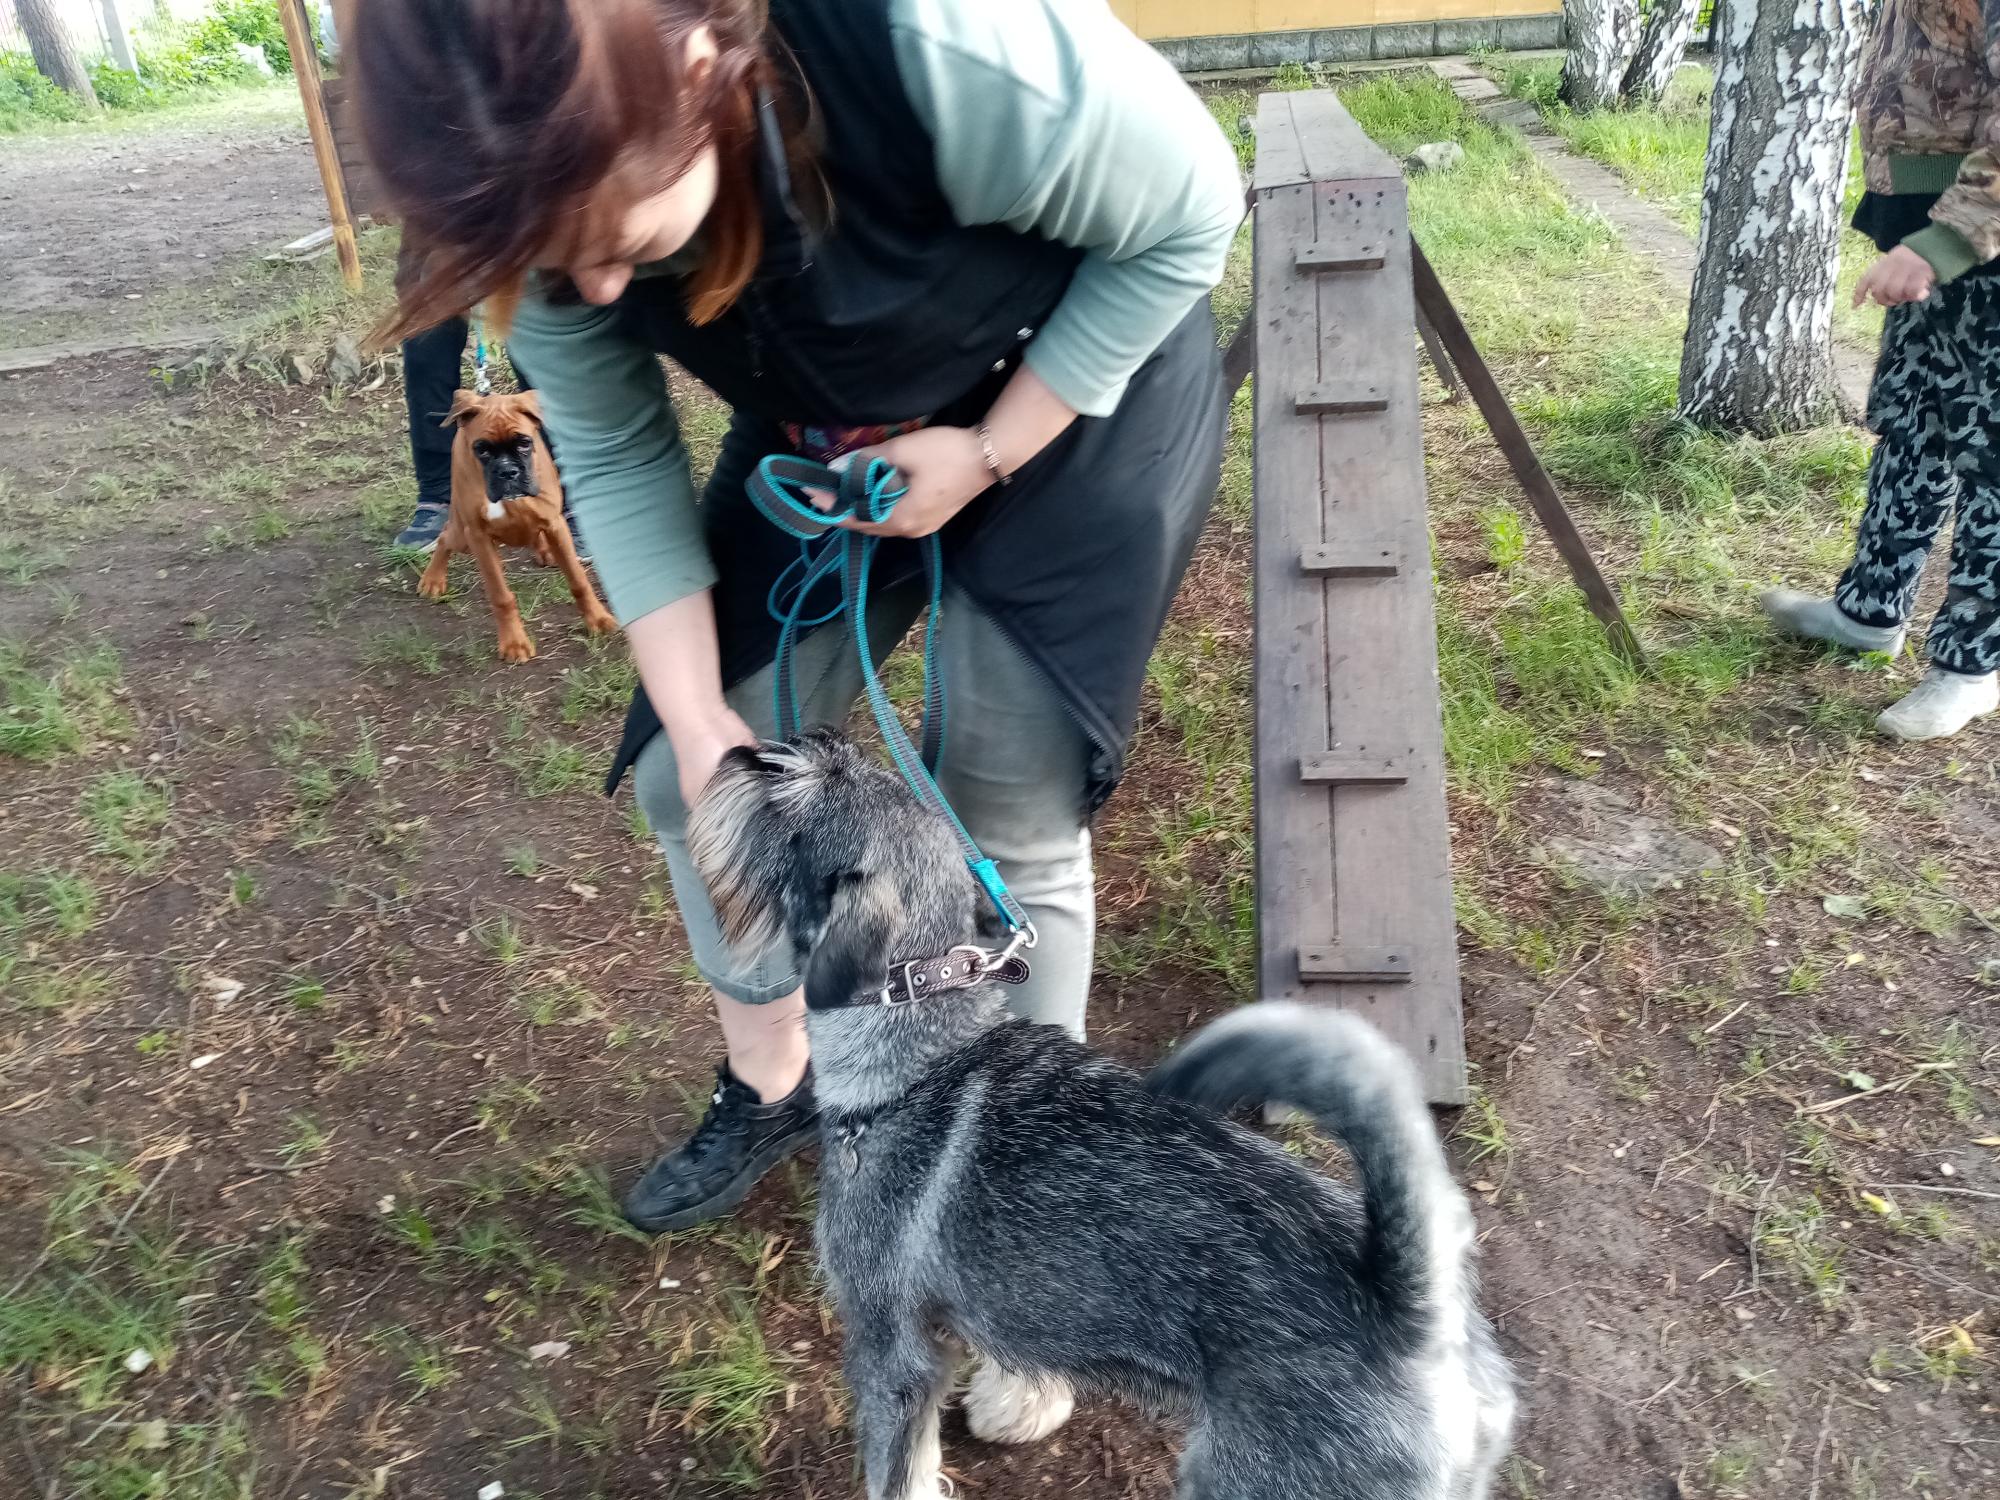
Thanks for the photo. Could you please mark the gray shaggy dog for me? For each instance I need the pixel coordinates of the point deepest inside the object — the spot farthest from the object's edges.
(993, 1186)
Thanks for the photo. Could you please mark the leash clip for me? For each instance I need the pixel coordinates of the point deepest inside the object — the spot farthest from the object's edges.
(1024, 937)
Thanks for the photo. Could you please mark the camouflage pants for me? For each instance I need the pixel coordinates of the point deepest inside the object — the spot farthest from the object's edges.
(1935, 406)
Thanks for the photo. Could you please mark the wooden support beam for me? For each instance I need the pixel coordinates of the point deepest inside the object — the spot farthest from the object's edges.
(305, 69)
(1534, 480)
(1335, 769)
(1447, 373)
(1351, 560)
(1337, 963)
(1346, 399)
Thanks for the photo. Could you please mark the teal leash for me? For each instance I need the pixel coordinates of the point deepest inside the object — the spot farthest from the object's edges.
(866, 491)
(482, 376)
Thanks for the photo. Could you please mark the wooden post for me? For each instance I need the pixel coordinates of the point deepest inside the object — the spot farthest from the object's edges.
(305, 68)
(118, 36)
(1354, 900)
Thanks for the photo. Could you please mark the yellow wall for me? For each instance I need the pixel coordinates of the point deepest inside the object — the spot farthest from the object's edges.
(1156, 19)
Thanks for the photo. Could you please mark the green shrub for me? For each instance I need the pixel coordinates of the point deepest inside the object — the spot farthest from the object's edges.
(256, 22)
(203, 58)
(27, 98)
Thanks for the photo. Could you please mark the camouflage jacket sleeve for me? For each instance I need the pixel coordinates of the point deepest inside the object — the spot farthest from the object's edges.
(1971, 206)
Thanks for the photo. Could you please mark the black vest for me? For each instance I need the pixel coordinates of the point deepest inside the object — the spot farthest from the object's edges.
(841, 325)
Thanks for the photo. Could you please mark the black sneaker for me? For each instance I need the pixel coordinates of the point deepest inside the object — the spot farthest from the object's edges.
(738, 1141)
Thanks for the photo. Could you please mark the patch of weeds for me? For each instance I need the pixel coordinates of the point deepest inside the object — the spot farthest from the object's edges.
(500, 939)
(598, 689)
(242, 888)
(128, 812)
(288, 746)
(553, 767)
(557, 1001)
(78, 988)
(1794, 1231)
(304, 994)
(314, 787)
(1730, 1466)
(1484, 1130)
(384, 508)
(591, 1203)
(1506, 539)
(51, 709)
(730, 1389)
(22, 564)
(61, 903)
(407, 646)
(411, 1228)
(77, 1331)
(1813, 1147)
(503, 1105)
(304, 1141)
(269, 526)
(363, 764)
(522, 860)
(1947, 1057)
(424, 1366)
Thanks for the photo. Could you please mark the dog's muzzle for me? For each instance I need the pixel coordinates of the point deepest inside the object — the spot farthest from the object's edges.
(508, 479)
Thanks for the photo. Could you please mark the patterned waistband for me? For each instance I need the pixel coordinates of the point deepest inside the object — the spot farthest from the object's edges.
(824, 444)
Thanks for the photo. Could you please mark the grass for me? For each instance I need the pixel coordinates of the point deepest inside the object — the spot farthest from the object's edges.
(1661, 151)
(53, 708)
(728, 1390)
(128, 812)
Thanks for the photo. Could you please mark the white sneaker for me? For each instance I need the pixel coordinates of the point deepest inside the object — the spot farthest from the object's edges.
(1822, 620)
(1941, 705)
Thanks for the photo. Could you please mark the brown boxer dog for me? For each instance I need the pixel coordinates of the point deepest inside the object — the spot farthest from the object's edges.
(505, 493)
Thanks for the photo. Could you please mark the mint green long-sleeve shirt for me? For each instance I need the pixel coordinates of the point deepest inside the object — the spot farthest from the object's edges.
(1045, 116)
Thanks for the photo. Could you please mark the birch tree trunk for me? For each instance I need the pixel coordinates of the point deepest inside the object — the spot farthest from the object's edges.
(54, 52)
(1599, 36)
(1662, 45)
(1758, 356)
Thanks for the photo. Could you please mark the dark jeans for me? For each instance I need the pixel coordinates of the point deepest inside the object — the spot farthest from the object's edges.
(433, 368)
(1933, 405)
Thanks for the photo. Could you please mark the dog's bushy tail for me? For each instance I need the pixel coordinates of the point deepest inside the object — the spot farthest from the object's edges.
(1362, 1091)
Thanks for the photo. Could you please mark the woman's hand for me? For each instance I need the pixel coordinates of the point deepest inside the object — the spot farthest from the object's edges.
(1900, 276)
(945, 469)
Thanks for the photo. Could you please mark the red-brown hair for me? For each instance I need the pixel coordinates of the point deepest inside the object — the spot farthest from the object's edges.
(492, 125)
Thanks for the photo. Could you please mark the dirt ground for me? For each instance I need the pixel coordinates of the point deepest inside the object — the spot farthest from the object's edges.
(335, 1003)
(131, 226)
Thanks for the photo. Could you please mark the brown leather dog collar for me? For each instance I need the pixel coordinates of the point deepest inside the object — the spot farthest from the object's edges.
(921, 978)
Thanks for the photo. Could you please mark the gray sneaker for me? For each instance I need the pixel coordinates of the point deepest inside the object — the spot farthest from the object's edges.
(1820, 619)
(1941, 705)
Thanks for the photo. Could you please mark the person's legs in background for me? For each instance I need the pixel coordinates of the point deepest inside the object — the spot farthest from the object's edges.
(1964, 640)
(433, 363)
(1910, 492)
(1934, 380)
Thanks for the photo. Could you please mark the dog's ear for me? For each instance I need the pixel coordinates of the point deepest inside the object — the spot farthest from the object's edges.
(529, 405)
(464, 405)
(864, 916)
(739, 852)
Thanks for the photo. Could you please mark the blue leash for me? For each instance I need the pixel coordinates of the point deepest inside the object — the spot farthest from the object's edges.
(868, 492)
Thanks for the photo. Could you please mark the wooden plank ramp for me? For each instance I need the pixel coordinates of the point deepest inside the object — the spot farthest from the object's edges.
(1354, 895)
